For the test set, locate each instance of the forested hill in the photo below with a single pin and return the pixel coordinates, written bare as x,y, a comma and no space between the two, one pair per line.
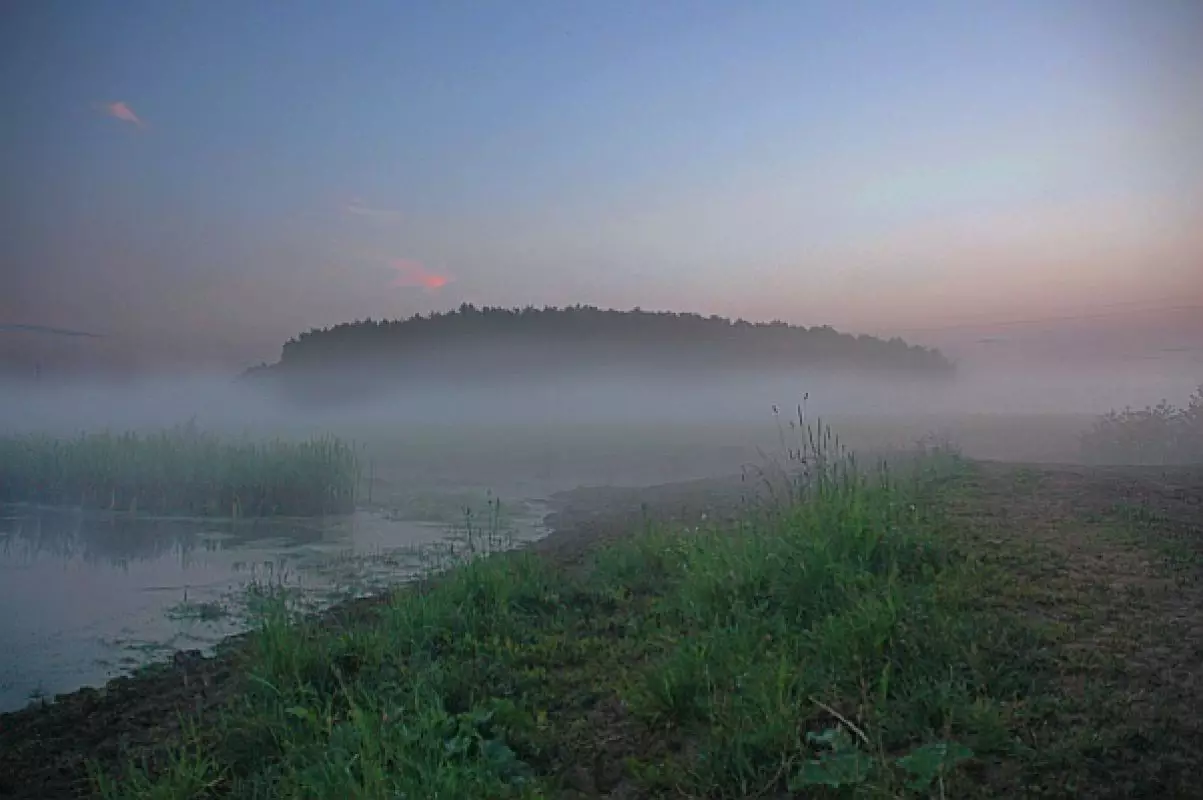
472,340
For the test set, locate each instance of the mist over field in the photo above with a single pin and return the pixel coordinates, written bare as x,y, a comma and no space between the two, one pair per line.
580,395
613,395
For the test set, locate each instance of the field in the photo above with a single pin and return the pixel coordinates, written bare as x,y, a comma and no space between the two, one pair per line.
182,472
953,628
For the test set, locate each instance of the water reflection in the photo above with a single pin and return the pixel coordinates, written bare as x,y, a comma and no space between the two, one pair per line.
30,532
87,595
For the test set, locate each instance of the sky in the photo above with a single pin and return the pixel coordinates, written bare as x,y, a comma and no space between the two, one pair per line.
198,182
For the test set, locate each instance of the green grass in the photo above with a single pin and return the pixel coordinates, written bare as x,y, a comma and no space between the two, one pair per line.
834,644
181,471
1138,524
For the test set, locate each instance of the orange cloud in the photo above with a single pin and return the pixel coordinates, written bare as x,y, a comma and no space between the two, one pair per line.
121,110
411,273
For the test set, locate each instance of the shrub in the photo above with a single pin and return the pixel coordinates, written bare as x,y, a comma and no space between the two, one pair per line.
1161,434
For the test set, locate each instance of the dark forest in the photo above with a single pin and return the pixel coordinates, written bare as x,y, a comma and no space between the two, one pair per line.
472,342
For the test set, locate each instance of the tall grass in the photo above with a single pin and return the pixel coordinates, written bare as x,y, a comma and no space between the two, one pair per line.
829,641
1163,434
180,471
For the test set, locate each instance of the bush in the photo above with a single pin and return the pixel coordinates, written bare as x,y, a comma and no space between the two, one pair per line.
1163,434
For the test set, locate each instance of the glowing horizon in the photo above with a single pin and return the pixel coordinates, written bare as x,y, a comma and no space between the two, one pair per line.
876,169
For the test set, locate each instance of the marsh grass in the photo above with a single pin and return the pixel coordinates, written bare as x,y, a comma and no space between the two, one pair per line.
182,471
830,641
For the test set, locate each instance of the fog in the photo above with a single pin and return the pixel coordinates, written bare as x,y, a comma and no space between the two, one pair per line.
612,396
517,436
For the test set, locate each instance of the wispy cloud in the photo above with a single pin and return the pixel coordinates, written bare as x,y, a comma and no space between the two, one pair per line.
48,330
121,110
412,274
359,208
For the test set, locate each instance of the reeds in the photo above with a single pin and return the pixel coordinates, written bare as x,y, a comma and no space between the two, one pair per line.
181,471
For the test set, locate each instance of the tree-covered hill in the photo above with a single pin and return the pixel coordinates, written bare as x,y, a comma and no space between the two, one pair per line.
477,342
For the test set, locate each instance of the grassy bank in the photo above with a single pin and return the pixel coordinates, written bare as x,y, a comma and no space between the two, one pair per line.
834,640
182,471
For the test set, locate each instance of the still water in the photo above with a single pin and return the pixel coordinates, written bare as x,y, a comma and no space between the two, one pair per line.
86,596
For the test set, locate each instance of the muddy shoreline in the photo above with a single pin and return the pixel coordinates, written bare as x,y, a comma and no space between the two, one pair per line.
45,747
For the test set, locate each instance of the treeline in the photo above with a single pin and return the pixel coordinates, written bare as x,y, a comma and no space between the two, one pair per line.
472,339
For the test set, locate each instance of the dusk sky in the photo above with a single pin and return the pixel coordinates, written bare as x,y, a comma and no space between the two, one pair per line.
201,181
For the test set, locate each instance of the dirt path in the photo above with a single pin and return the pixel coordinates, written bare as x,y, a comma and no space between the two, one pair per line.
1109,561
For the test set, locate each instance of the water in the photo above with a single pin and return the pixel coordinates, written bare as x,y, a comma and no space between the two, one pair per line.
86,596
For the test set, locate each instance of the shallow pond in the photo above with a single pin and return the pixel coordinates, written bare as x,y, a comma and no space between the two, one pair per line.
86,596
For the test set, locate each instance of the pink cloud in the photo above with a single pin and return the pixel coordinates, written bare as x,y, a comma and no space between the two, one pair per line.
121,110
411,273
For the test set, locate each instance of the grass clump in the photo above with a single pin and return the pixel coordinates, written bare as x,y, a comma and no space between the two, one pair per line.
829,643
1163,434
181,471
834,644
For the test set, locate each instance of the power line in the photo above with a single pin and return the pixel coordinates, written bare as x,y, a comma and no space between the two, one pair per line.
1042,320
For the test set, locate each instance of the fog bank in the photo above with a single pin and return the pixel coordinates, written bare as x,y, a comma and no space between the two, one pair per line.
613,396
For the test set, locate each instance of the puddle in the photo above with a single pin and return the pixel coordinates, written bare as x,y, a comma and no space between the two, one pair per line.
87,596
